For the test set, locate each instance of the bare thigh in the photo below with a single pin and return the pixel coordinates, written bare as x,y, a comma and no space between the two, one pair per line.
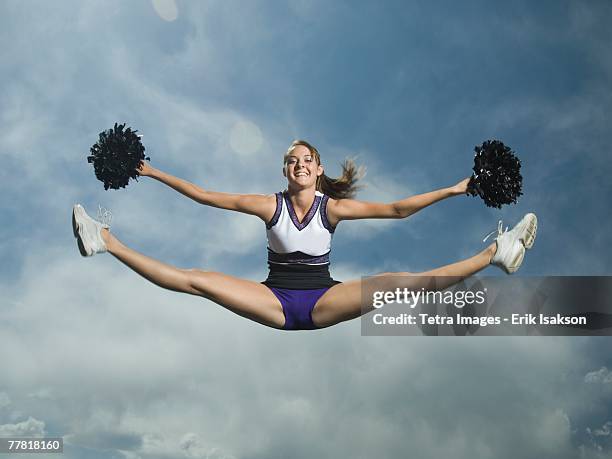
340,303
246,298
343,301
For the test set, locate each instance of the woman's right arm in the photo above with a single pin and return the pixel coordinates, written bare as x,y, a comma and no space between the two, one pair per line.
260,205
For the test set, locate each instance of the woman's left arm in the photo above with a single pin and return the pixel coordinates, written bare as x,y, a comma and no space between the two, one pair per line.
351,209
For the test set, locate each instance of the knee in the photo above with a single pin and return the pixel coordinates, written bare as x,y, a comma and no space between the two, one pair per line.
197,280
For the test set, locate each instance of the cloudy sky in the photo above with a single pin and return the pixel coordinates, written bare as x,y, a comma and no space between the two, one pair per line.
123,369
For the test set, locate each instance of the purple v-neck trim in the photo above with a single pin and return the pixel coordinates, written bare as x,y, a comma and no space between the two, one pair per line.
311,212
277,212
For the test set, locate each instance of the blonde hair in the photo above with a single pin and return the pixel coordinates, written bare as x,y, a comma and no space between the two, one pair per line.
342,187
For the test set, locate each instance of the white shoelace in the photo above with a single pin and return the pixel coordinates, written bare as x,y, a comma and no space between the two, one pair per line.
105,216
499,231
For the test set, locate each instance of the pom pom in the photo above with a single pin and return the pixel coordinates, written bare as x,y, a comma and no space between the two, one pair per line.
497,174
116,156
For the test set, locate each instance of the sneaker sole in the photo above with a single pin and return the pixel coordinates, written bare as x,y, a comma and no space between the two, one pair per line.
516,263
530,231
77,234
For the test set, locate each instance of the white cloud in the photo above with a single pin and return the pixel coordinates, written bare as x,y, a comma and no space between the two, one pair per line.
604,431
166,9
553,432
603,376
31,427
45,393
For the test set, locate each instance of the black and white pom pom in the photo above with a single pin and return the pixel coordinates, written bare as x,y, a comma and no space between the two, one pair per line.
116,155
497,174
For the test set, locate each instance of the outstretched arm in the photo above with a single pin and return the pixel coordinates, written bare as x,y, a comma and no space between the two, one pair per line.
350,209
262,206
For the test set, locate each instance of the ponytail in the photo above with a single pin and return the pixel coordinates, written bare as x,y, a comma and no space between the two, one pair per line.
344,186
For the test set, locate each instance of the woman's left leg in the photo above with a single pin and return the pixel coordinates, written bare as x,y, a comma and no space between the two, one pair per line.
343,301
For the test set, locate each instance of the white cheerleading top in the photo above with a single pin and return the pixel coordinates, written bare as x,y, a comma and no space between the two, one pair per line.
305,243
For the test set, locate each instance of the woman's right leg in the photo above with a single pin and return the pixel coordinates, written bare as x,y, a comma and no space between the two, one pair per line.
243,297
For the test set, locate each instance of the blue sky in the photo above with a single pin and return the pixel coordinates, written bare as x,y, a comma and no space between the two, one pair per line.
124,369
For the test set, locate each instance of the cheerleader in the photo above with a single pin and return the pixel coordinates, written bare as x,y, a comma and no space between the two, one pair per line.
299,293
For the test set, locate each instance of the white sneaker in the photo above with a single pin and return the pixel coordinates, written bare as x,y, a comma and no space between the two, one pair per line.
88,231
511,244
527,229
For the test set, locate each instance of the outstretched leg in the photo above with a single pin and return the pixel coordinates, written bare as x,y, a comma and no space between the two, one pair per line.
246,298
343,301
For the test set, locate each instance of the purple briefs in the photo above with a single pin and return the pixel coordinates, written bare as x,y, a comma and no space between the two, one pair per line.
297,306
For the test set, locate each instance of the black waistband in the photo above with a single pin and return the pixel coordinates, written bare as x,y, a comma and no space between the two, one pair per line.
297,257
299,277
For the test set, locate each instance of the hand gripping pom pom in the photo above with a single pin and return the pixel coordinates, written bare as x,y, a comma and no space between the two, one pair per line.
497,174
116,156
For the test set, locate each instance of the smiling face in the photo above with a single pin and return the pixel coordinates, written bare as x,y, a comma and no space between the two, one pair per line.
301,167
